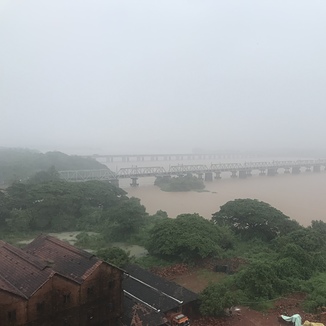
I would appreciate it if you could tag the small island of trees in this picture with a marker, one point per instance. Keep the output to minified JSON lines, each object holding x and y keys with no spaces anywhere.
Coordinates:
{"x":181,"y":183}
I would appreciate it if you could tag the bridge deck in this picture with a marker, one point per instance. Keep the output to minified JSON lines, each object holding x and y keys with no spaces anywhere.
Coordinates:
{"x":137,"y":172}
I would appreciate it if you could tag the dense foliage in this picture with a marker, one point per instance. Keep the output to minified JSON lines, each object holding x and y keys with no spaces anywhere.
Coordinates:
{"x":181,"y":183}
{"x":114,"y":255}
{"x":20,"y":164}
{"x":216,"y":298}
{"x":251,"y":218}
{"x":61,"y":206}
{"x":189,"y":237}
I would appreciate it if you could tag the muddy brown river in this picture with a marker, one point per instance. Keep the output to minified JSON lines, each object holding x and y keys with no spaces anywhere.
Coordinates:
{"x":301,"y":197}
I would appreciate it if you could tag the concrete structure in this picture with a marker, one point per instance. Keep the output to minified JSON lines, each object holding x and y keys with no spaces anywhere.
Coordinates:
{"x":243,"y":170}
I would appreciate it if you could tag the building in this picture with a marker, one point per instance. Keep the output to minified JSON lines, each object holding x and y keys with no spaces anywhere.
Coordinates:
{"x":50,"y":282}
{"x":148,"y":298}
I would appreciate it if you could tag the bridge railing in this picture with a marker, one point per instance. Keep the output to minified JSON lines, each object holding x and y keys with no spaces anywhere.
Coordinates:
{"x":199,"y":168}
{"x":86,"y":175}
{"x":140,"y":171}
{"x":134,"y":172}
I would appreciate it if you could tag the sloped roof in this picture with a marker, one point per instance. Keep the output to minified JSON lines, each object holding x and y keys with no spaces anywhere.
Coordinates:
{"x":155,"y":291}
{"x":21,"y":273}
{"x":65,"y":259}
{"x":137,"y":312}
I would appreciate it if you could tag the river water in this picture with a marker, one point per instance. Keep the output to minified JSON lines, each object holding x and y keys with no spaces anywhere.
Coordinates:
{"x":301,"y":197}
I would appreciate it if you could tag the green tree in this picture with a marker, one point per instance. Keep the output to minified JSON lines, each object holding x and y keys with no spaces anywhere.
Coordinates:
{"x":19,"y":220}
{"x":316,"y":289}
{"x":319,"y":226}
{"x":259,"y":281}
{"x":216,"y":298}
{"x":18,"y":196}
{"x":49,"y":175}
{"x":251,"y":218}
{"x":180,"y":183}
{"x":101,"y":194}
{"x":4,"y":208}
{"x":58,"y":205}
{"x":125,"y":219}
{"x":309,"y":239}
{"x":114,"y":255}
{"x":160,"y":214}
{"x":188,"y":237}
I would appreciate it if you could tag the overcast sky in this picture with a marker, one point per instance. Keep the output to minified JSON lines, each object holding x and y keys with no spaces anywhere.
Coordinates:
{"x":115,"y":76}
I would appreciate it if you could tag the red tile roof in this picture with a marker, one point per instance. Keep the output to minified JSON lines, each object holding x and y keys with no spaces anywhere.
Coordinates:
{"x":65,"y":259}
{"x":21,"y":273}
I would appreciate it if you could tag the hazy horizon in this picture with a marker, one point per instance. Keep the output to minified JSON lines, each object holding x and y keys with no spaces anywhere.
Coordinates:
{"x":122,"y":76}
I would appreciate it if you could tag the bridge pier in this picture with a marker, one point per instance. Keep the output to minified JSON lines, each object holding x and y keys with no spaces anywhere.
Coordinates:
{"x":200,"y":176}
{"x":242,"y":174}
{"x":316,"y":168}
{"x":208,"y":176}
{"x":218,"y":175}
{"x":271,"y":171}
{"x":249,"y":174}
{"x":308,"y":168}
{"x":262,"y":172}
{"x":233,"y":174}
{"x":295,"y":169}
{"x":286,"y":170}
{"x":134,"y":182}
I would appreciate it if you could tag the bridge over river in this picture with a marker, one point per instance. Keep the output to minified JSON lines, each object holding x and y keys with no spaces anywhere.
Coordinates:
{"x":208,"y":173}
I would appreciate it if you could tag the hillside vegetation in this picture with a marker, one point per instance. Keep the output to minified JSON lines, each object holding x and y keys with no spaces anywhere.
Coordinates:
{"x":20,"y":164}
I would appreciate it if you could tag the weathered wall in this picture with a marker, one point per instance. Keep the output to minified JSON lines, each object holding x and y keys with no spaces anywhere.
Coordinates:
{"x":12,"y":309}
{"x":60,"y":301}
{"x":101,"y":296}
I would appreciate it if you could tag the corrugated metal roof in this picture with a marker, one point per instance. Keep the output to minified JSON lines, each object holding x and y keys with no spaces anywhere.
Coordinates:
{"x":158,"y":292}
{"x":65,"y":259}
{"x":21,"y":273}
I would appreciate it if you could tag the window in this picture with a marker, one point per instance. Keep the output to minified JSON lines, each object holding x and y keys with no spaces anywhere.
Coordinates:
{"x":111,"y":285}
{"x":66,"y":298}
{"x":110,"y":306}
{"x":90,"y":291}
{"x":40,"y":307}
{"x":12,"y":315}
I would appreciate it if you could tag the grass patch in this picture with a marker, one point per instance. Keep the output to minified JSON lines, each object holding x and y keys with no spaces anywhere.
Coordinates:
{"x":210,"y":276}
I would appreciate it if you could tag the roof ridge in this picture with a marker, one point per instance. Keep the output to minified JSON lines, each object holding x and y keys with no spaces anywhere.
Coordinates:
{"x":22,"y":254}
{"x":69,"y":247}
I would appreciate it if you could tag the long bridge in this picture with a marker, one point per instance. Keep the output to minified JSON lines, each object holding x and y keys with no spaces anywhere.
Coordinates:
{"x":208,"y":173}
{"x":109,"y":158}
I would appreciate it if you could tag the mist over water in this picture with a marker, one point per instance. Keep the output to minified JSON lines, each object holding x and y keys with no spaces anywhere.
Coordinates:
{"x":301,"y":197}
